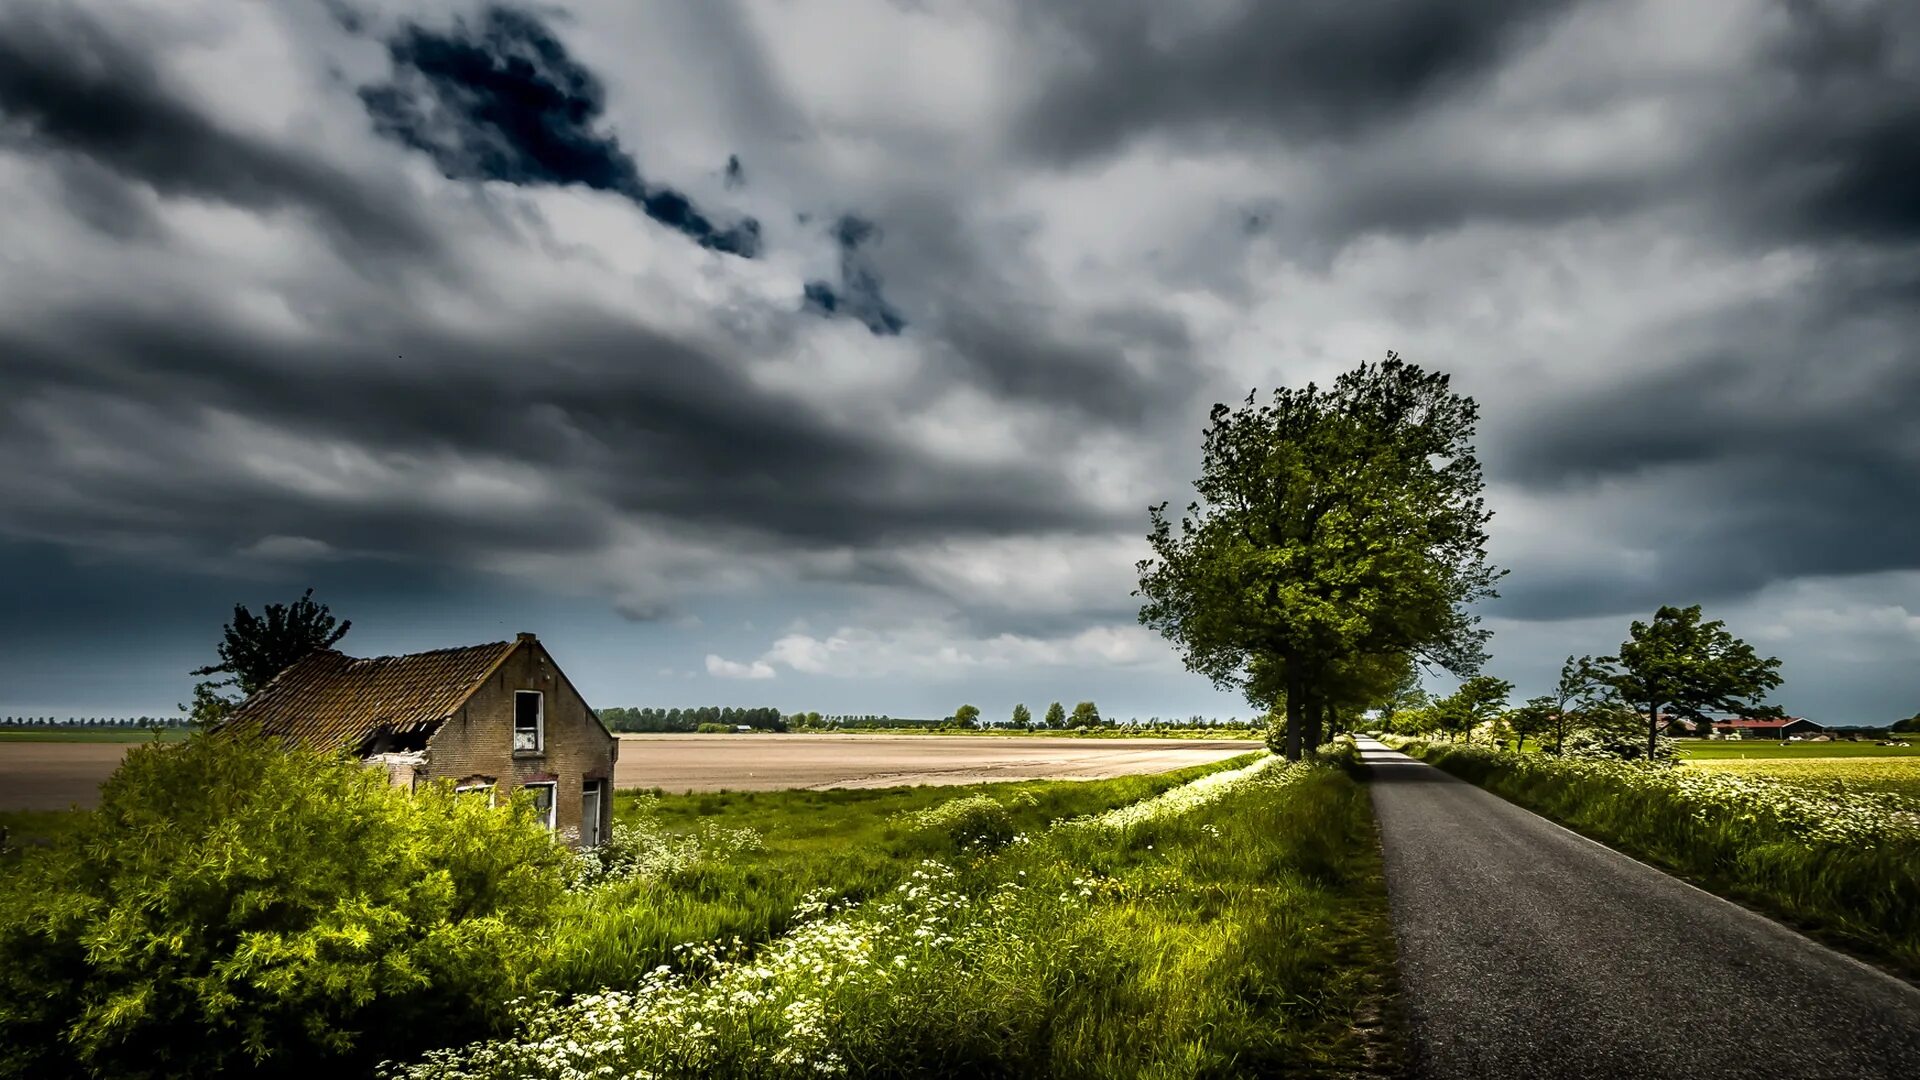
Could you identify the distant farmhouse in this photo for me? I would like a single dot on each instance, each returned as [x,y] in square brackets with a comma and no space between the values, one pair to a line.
[1777,728]
[494,719]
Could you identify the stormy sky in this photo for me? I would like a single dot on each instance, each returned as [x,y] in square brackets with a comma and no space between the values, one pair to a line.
[827,354]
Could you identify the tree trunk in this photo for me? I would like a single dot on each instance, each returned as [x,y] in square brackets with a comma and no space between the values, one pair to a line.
[1294,718]
[1653,730]
[1316,724]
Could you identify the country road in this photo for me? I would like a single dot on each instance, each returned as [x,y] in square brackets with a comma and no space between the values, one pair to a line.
[1527,951]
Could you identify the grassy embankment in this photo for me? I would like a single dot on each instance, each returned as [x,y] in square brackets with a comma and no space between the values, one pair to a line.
[723,865]
[1842,861]
[1232,927]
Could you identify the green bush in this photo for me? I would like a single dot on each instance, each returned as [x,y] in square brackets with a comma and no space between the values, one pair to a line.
[975,820]
[236,908]
[713,729]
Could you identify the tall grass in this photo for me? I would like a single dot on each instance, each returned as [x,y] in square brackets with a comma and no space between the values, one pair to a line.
[837,846]
[1227,930]
[1846,865]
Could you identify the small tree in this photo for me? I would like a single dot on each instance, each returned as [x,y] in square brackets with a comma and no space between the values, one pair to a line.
[1680,663]
[967,716]
[1086,714]
[1478,700]
[1580,686]
[1022,718]
[1535,717]
[255,648]
[1056,717]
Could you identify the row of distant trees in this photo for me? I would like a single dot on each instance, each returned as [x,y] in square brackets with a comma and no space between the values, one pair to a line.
[1084,715]
[92,721]
[710,716]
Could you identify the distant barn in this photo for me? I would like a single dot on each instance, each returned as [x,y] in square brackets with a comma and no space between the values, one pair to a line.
[1767,728]
[494,719]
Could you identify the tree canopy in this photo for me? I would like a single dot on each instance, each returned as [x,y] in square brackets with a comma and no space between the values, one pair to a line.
[1330,525]
[1056,715]
[1681,664]
[255,648]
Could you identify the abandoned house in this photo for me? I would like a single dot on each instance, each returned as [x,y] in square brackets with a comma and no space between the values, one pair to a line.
[493,719]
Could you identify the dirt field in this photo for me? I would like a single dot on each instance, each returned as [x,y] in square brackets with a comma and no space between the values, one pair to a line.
[52,776]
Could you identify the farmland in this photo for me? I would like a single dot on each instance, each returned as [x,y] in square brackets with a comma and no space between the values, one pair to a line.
[1830,767]
[39,775]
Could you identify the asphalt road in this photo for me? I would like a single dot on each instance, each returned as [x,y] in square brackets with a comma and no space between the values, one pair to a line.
[1527,951]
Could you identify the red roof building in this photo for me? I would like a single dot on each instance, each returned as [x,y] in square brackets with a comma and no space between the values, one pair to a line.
[1768,728]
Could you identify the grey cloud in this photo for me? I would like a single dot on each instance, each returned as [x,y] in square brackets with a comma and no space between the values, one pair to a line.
[69,85]
[1787,450]
[858,295]
[1313,69]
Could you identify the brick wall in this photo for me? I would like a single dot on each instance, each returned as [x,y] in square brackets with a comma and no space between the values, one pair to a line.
[476,743]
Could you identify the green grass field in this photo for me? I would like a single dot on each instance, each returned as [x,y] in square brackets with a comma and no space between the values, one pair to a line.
[103,735]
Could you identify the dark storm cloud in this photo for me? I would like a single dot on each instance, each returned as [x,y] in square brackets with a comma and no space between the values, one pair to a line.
[503,100]
[69,86]
[1832,148]
[615,419]
[1309,69]
[1788,449]
[858,295]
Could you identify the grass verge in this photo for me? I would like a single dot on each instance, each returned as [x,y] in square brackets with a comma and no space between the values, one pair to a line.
[1228,928]
[1843,865]
[727,866]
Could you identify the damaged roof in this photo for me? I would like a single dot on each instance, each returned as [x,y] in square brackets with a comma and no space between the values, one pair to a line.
[331,701]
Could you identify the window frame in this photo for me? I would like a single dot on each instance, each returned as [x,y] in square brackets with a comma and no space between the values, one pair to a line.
[553,800]
[492,790]
[539,723]
[597,790]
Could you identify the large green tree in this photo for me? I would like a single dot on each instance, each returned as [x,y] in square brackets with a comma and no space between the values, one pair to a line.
[1056,716]
[1022,717]
[1086,714]
[255,648]
[1330,523]
[1680,663]
[967,716]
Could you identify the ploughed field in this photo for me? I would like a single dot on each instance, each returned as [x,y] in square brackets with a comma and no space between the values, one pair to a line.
[55,775]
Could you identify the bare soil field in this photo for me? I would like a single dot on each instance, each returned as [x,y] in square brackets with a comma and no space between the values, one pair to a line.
[679,763]
[55,775]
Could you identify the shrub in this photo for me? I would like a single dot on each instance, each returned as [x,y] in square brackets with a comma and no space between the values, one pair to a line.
[233,908]
[976,819]
[713,729]
[1603,745]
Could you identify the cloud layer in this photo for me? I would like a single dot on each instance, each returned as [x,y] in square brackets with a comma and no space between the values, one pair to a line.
[900,326]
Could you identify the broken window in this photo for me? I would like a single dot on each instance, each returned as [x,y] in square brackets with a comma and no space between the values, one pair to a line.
[476,790]
[529,720]
[543,804]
